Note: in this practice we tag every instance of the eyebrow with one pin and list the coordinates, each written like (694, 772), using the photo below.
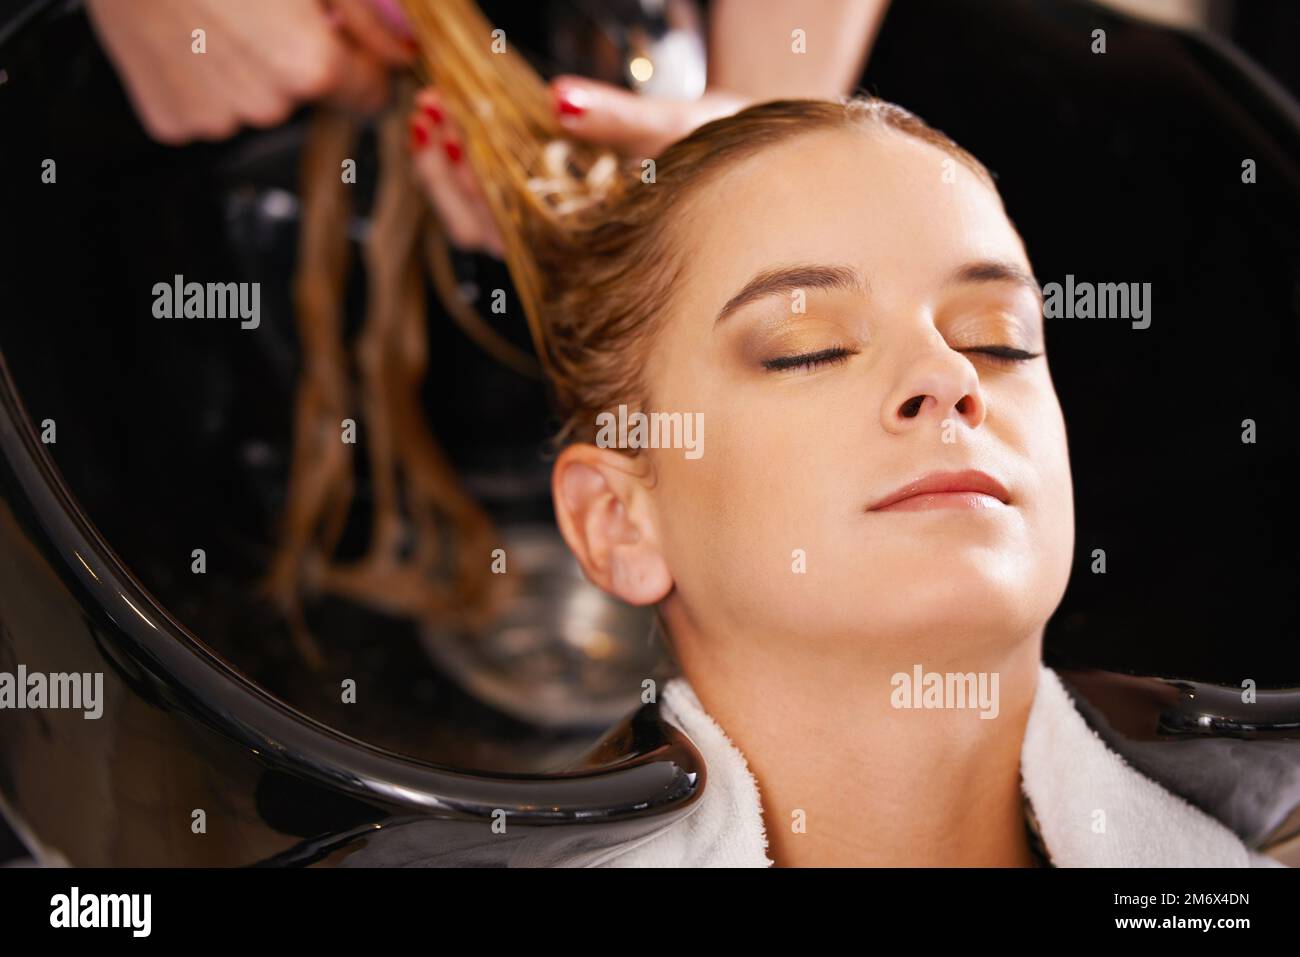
(995, 270)
(783, 279)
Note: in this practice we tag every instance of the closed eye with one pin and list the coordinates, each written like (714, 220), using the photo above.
(1003, 353)
(811, 360)
(808, 360)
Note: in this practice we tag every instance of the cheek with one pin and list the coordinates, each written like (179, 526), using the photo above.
(1051, 449)
(739, 491)
(732, 519)
(1047, 452)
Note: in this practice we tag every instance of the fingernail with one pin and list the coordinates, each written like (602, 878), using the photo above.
(571, 102)
(392, 13)
(453, 150)
(432, 112)
(419, 135)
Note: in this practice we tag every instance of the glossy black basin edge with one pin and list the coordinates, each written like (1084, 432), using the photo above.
(1237, 760)
(147, 656)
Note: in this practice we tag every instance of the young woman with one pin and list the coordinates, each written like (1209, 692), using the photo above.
(855, 566)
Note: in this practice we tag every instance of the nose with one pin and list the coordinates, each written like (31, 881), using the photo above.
(937, 385)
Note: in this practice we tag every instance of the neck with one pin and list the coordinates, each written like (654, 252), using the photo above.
(848, 779)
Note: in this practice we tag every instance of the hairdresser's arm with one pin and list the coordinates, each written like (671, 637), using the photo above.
(260, 59)
(754, 47)
(754, 54)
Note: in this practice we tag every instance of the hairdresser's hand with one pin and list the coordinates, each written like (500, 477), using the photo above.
(636, 126)
(438, 148)
(262, 59)
(605, 115)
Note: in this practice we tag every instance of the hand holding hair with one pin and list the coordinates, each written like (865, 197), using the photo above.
(253, 65)
(597, 113)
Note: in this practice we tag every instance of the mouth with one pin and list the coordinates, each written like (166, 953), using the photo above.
(968, 489)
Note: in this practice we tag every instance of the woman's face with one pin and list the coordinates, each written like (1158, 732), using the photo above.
(850, 369)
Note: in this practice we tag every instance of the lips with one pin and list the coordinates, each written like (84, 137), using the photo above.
(969, 488)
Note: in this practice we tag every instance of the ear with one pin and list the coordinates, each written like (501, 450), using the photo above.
(603, 507)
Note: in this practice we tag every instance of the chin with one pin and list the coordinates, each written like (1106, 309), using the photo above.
(958, 594)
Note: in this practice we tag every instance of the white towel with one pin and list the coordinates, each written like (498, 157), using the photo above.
(1069, 775)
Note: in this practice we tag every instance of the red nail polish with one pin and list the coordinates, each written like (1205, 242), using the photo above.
(453, 150)
(433, 112)
(569, 104)
(419, 135)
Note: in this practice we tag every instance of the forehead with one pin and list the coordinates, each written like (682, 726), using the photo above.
(903, 212)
